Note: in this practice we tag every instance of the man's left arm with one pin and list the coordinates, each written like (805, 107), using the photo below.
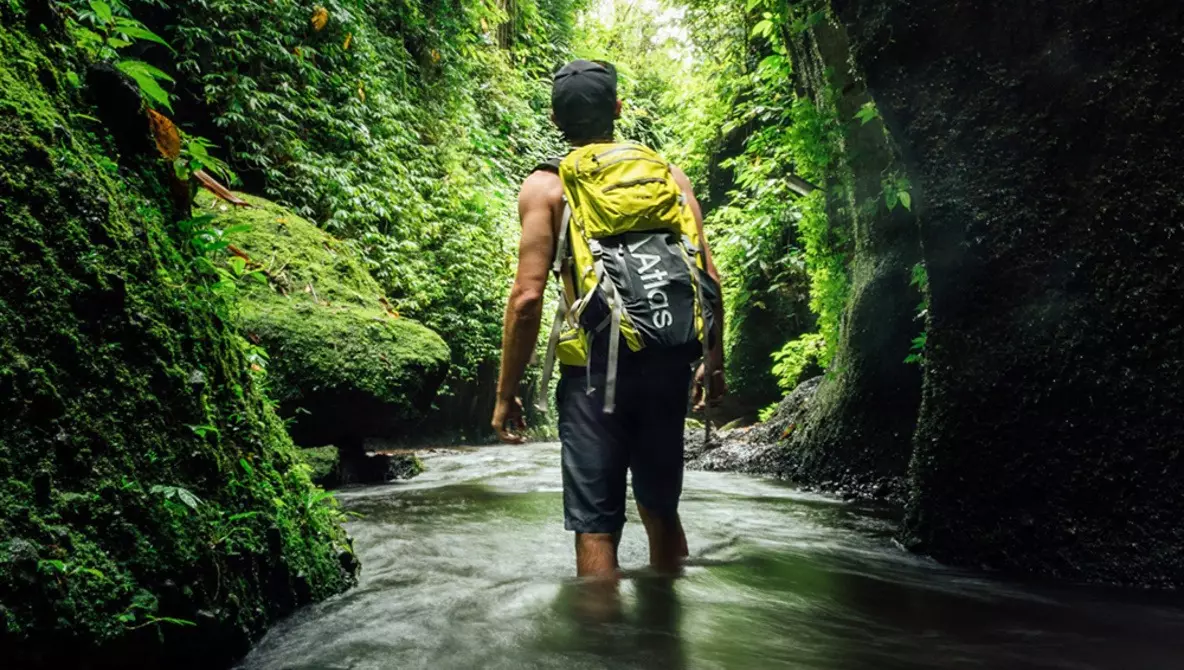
(525, 307)
(718, 385)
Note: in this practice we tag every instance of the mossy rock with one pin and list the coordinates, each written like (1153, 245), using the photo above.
(152, 511)
(342, 363)
(331, 467)
(322, 463)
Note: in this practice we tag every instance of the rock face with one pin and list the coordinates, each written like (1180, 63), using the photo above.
(862, 417)
(151, 514)
(1044, 145)
(341, 363)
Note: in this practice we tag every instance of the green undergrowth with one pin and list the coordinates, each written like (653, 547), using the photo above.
(776, 247)
(321, 317)
(151, 507)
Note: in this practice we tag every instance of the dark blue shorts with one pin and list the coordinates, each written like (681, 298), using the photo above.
(644, 435)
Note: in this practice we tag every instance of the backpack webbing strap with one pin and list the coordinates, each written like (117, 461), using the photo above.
(616, 308)
(560, 312)
(614, 346)
(705, 335)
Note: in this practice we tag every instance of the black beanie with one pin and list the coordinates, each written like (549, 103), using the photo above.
(584, 100)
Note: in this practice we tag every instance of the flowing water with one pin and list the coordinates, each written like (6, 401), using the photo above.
(468, 566)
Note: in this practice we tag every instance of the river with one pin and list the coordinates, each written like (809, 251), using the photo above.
(468, 566)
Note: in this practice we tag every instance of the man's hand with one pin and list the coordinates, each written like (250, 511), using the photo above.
(507, 418)
(719, 388)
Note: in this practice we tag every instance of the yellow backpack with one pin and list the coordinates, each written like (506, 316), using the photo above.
(629, 245)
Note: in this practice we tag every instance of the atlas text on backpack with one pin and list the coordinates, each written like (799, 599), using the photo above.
(629, 248)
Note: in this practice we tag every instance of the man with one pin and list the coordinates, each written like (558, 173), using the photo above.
(645, 432)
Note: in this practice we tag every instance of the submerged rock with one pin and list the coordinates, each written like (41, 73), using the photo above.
(343, 365)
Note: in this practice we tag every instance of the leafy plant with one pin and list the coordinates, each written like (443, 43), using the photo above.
(767, 412)
(796, 358)
(141, 613)
(177, 494)
(867, 113)
(195, 155)
(920, 279)
(148, 78)
(896, 190)
(102, 29)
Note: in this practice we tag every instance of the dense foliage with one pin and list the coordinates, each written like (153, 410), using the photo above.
(149, 496)
(404, 128)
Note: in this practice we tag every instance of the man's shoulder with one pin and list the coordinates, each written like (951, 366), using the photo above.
(541, 184)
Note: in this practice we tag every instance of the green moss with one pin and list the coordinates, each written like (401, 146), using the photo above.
(145, 483)
(322, 463)
(323, 320)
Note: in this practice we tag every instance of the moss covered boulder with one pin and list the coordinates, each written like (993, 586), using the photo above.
(152, 511)
(343, 364)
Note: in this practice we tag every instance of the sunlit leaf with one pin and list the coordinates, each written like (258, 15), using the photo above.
(102, 10)
(142, 33)
(320, 18)
(148, 78)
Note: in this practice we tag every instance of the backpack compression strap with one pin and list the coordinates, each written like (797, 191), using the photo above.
(561, 311)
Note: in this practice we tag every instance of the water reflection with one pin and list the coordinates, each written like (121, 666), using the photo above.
(634, 624)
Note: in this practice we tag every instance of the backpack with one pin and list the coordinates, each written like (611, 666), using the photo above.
(630, 243)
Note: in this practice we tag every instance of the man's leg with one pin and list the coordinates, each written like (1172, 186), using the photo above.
(656, 458)
(596, 555)
(594, 465)
(668, 543)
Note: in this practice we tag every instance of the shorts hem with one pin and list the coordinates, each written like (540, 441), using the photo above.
(607, 527)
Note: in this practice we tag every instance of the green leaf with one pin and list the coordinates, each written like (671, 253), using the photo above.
(142, 33)
(191, 501)
(116, 43)
(237, 265)
(752, 4)
(148, 79)
(867, 113)
(203, 430)
(235, 229)
(763, 27)
(102, 10)
(906, 200)
(224, 287)
(773, 62)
